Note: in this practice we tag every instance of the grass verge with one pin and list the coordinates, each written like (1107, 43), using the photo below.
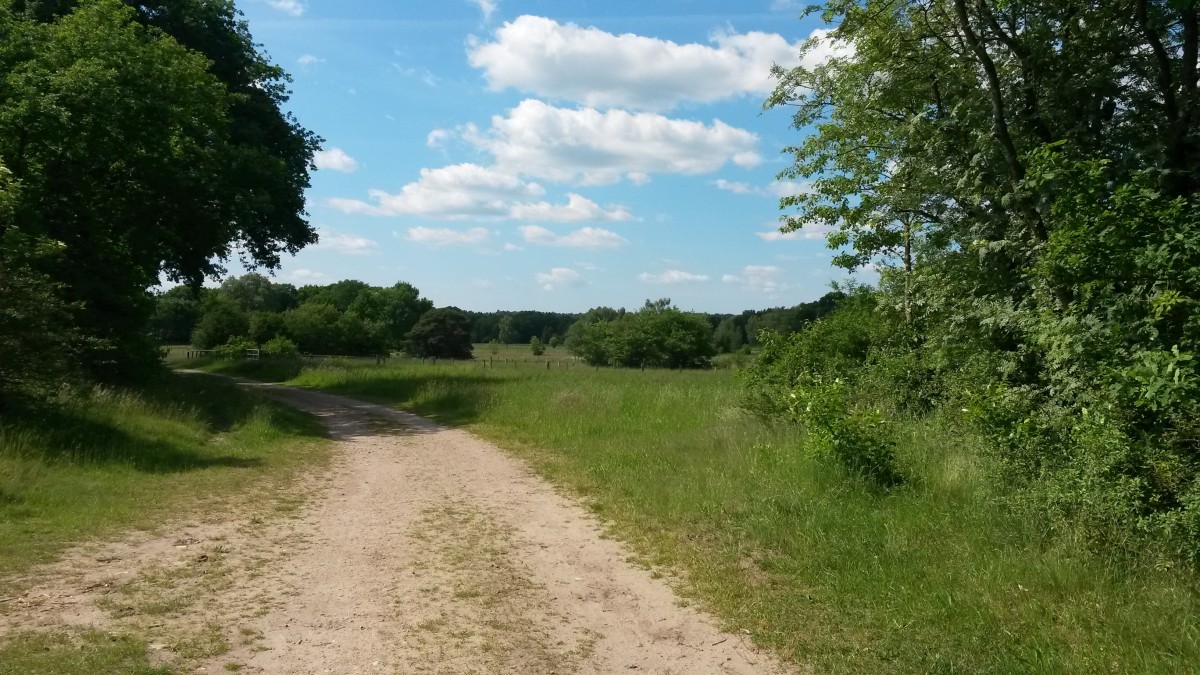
(107, 461)
(935, 576)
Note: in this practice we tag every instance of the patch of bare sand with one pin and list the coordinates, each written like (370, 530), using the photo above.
(429, 551)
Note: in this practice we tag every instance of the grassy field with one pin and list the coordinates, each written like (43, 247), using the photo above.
(115, 460)
(933, 577)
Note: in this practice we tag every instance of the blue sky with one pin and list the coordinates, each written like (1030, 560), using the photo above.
(509, 154)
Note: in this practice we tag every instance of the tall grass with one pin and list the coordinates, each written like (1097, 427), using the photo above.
(106, 460)
(935, 576)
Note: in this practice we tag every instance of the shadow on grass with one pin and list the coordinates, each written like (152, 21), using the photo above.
(146, 438)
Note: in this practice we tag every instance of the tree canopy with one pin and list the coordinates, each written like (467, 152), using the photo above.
(148, 141)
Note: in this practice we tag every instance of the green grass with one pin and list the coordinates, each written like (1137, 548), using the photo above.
(113, 460)
(84, 652)
(933, 577)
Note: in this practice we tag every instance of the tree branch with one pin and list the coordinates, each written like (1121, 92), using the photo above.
(1000, 130)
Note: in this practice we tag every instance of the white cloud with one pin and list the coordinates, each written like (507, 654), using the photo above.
(592, 147)
(512, 248)
(812, 233)
(350, 244)
(672, 277)
(307, 276)
(470, 191)
(487, 7)
(759, 278)
(444, 236)
(436, 138)
(577, 209)
(307, 60)
(601, 69)
(454, 192)
(559, 277)
(588, 237)
(779, 188)
(335, 159)
(293, 7)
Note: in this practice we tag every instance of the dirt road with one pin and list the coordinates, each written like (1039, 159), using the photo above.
(425, 550)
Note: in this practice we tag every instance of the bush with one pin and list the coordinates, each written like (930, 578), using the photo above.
(536, 346)
(657, 336)
(280, 348)
(235, 348)
(858, 439)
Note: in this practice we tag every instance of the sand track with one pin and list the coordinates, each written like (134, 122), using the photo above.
(425, 550)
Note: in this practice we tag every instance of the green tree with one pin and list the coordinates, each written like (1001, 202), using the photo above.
(340, 295)
(37, 340)
(395, 310)
(1026, 174)
(256, 293)
(313, 326)
(135, 154)
(176, 312)
(536, 346)
(507, 333)
(222, 320)
(443, 333)
(728, 336)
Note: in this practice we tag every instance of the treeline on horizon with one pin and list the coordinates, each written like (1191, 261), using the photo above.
(352, 318)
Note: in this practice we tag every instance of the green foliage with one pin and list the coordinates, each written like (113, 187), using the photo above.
(37, 340)
(859, 439)
(1030, 170)
(221, 321)
(280, 348)
(149, 141)
(536, 347)
(441, 333)
(235, 348)
(657, 336)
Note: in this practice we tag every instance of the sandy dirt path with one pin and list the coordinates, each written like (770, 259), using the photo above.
(425, 550)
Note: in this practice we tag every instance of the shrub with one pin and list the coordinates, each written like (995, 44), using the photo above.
(536, 346)
(235, 348)
(857, 439)
(280, 348)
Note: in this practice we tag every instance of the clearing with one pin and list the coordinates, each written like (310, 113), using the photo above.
(427, 550)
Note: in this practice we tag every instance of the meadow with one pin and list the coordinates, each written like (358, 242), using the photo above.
(935, 576)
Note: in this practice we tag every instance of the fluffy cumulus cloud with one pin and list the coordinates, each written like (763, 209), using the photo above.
(350, 244)
(672, 277)
(591, 147)
(759, 278)
(293, 7)
(601, 69)
(559, 277)
(445, 236)
(471, 191)
(588, 237)
(335, 159)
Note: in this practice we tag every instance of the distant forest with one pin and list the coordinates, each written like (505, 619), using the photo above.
(354, 318)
